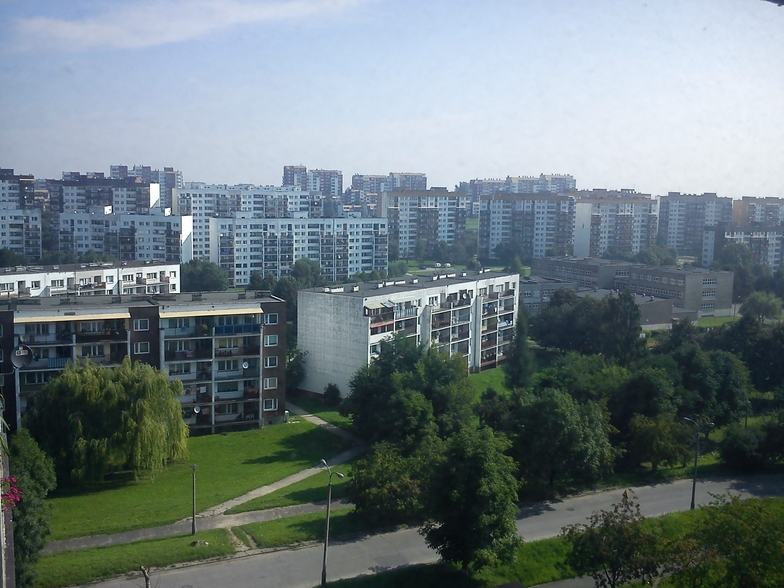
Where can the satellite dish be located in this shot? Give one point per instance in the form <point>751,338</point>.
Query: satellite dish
<point>22,356</point>
<point>196,409</point>
<point>245,365</point>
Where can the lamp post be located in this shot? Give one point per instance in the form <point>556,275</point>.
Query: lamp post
<point>696,454</point>
<point>326,533</point>
<point>193,518</point>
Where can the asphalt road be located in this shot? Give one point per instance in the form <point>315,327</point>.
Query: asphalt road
<point>301,568</point>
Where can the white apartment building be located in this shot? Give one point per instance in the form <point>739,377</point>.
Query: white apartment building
<point>341,328</point>
<point>625,221</point>
<point>123,196</point>
<point>341,246</point>
<point>682,218</point>
<point>157,236</point>
<point>553,183</point>
<point>430,216</point>
<point>764,241</point>
<point>541,223</point>
<point>90,279</point>
<point>767,211</point>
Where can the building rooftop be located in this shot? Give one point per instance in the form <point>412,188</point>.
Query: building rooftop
<point>408,283</point>
<point>76,267</point>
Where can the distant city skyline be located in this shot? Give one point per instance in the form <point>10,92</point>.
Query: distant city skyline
<point>657,96</point>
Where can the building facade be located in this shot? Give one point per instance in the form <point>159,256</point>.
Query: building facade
<point>341,328</point>
<point>764,211</point>
<point>228,349</point>
<point>764,241</point>
<point>431,216</point>
<point>622,221</point>
<point>683,218</point>
<point>542,223</point>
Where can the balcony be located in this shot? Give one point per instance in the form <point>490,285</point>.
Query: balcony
<point>187,354</point>
<point>108,335</point>
<point>237,329</point>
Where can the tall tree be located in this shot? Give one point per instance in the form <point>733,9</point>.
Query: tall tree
<point>519,365</point>
<point>203,276</point>
<point>35,478</point>
<point>620,332</point>
<point>9,258</point>
<point>92,421</point>
<point>761,306</point>
<point>307,272</point>
<point>470,502</point>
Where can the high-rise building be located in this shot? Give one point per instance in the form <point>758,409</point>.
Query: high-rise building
<point>552,183</point>
<point>764,241</point>
<point>542,223</point>
<point>623,221</point>
<point>169,179</point>
<point>327,182</point>
<point>430,216</point>
<point>683,218</point>
<point>767,211</point>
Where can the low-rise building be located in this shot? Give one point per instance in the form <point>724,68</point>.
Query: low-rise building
<point>535,291</point>
<point>341,328</point>
<point>228,349</point>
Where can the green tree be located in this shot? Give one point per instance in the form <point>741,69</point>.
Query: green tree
<point>92,256</point>
<point>741,543</point>
<point>742,448</point>
<point>620,328</point>
<point>659,440</point>
<point>420,250</point>
<point>307,273</point>
<point>9,258</point>
<point>58,258</point>
<point>331,394</point>
<point>470,504</point>
<point>93,421</point>
<point>614,548</point>
<point>554,438</point>
<point>256,281</point>
<point>397,269</point>
<point>519,365</point>
<point>203,276</point>
<point>761,306</point>
<point>35,478</point>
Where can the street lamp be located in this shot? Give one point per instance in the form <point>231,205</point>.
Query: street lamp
<point>193,519</point>
<point>696,454</point>
<point>326,534</point>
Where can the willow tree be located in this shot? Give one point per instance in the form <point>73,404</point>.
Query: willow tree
<point>95,421</point>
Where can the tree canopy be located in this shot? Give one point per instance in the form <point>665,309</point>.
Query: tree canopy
<point>761,306</point>
<point>203,276</point>
<point>94,421</point>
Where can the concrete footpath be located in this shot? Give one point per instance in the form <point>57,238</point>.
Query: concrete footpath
<point>215,517</point>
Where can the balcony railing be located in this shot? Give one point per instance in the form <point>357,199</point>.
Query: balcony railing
<point>108,335</point>
<point>237,329</point>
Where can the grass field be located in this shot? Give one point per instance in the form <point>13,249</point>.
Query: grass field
<point>229,465</point>
<point>493,378</point>
<point>321,410</point>
<point>716,321</point>
<point>86,565</point>
<point>294,530</point>
<point>312,489</point>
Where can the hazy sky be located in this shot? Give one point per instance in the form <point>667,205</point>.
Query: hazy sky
<point>657,95</point>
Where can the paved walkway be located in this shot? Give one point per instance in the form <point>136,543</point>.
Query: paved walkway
<point>215,517</point>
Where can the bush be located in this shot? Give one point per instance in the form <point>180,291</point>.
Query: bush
<point>331,394</point>
<point>741,448</point>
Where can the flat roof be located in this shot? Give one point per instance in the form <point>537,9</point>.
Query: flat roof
<point>407,284</point>
<point>77,267</point>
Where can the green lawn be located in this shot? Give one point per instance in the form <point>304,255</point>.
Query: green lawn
<point>492,378</point>
<point>312,489</point>
<point>321,410</point>
<point>716,321</point>
<point>472,223</point>
<point>86,565</point>
<point>229,465</point>
<point>301,529</point>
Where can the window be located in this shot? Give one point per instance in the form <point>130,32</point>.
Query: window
<point>270,383</point>
<point>271,319</point>
<point>35,284</point>
<point>709,293</point>
<point>179,368</point>
<point>227,408</point>
<point>92,351</point>
<point>270,340</point>
<point>37,329</point>
<point>271,361</point>
<point>708,306</point>
<point>709,282</point>
<point>127,278</point>
<point>91,326</point>
<point>141,324</point>
<point>228,365</point>
<point>36,377</point>
<point>141,347</point>
<point>270,404</point>
<point>178,323</point>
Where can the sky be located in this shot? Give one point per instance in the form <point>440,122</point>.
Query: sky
<point>655,95</point>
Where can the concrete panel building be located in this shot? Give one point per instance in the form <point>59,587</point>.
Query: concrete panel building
<point>764,241</point>
<point>683,218</point>
<point>228,349</point>
<point>341,328</point>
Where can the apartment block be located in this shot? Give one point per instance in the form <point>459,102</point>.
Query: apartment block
<point>16,191</point>
<point>155,236</point>
<point>429,216</point>
<point>169,178</point>
<point>228,349</point>
<point>623,221</point>
<point>90,279</point>
<point>394,181</point>
<point>552,183</point>
<point>683,218</point>
<point>535,291</point>
<point>80,193</point>
<point>342,247</point>
<point>765,211</point>
<point>542,223</point>
<point>20,230</point>
<point>327,182</point>
<point>341,328</point>
<point>764,240</point>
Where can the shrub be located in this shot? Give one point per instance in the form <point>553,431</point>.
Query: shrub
<point>331,394</point>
